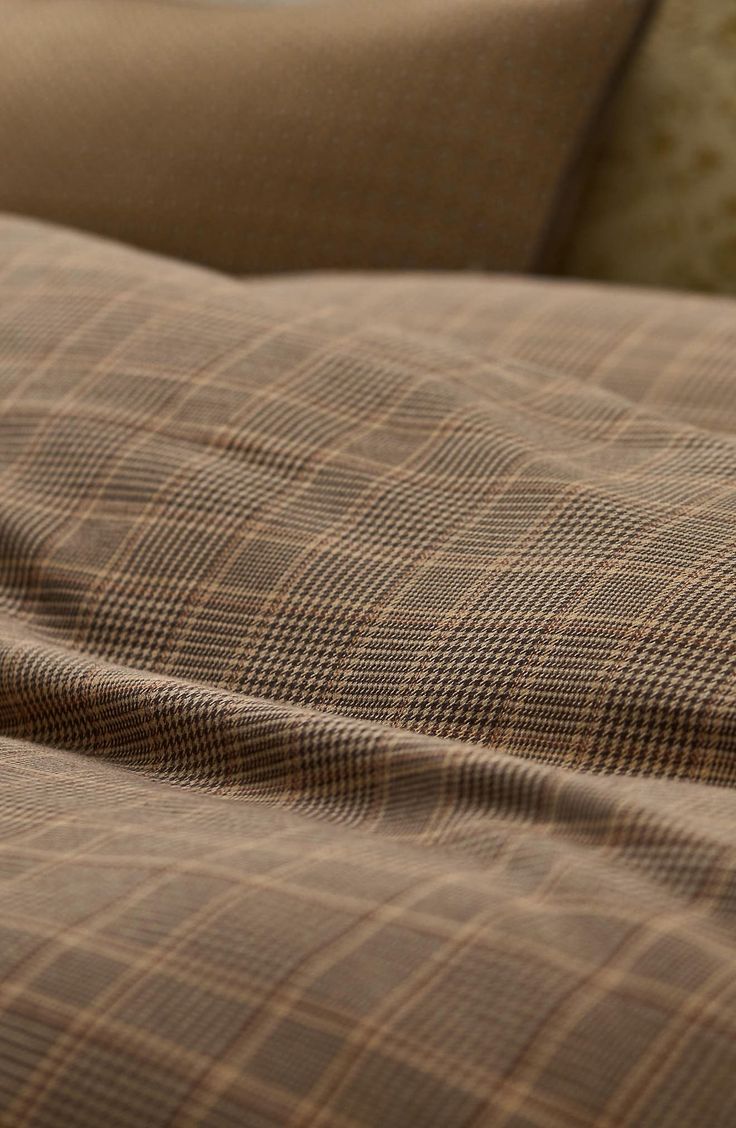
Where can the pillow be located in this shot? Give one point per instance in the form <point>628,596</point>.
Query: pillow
<point>662,204</point>
<point>420,134</point>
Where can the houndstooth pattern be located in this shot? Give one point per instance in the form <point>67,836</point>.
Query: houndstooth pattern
<point>415,584</point>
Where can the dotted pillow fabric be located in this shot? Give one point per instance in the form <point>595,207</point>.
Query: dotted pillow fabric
<point>661,208</point>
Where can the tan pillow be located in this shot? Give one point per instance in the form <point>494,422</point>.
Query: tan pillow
<point>419,134</point>
<point>662,205</point>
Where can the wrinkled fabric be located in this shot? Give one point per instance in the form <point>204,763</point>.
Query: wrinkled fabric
<point>366,697</point>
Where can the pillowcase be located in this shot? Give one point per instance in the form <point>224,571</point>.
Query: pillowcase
<point>420,134</point>
<point>662,204</point>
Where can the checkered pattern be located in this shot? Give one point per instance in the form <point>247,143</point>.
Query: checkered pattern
<point>415,584</point>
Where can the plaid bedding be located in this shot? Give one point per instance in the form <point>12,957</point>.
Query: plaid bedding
<point>367,698</point>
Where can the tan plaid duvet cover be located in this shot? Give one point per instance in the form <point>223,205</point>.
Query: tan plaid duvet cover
<point>367,698</point>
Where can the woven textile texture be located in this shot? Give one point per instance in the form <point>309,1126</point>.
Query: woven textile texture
<point>380,134</point>
<point>419,586</point>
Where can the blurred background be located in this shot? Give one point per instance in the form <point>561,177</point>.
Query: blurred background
<point>661,205</point>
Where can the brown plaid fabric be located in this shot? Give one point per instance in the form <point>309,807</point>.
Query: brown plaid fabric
<point>415,584</point>
<point>377,133</point>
